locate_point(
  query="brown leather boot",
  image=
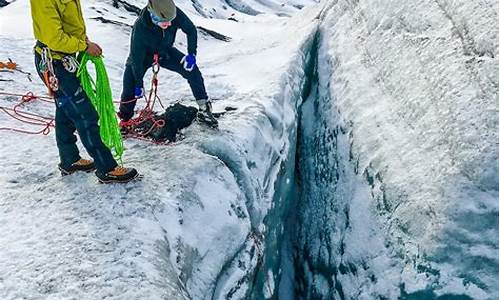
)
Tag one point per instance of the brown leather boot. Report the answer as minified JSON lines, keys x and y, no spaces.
{"x":117,"y":175}
{"x":85,"y":165}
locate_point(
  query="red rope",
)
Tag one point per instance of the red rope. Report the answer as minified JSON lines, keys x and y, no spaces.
{"x":147,"y":113}
{"x":29,"y":96}
{"x":26,"y":117}
{"x":125,"y":101}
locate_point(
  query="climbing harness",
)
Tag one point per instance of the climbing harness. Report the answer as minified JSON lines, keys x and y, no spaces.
{"x":47,"y":69}
{"x":99,"y":93}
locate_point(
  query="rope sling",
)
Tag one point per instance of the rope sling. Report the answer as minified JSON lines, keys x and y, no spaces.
{"x":99,"y":93}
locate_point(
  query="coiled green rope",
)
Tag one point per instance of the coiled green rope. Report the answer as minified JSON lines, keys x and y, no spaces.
{"x":99,"y":92}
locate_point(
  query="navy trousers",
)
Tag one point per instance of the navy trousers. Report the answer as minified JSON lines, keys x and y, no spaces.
{"x":75,"y":112}
{"x":171,"y":61}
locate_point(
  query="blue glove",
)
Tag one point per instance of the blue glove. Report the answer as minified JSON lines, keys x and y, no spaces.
{"x":139,"y":92}
{"x":188,"y":62}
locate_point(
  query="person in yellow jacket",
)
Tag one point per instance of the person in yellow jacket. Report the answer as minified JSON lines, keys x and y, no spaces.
{"x":59,"y":29}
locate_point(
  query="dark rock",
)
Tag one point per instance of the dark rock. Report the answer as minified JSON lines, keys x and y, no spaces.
{"x":213,"y":34}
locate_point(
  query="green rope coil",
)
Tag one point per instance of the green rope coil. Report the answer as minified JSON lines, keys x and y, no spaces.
{"x":99,"y":92}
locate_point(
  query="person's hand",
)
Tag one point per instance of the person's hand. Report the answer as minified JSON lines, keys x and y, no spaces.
{"x":93,"y":49}
{"x":139,"y":92}
{"x":188,"y":62}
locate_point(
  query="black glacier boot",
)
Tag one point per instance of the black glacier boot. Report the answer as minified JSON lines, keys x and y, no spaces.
{"x":205,"y":113}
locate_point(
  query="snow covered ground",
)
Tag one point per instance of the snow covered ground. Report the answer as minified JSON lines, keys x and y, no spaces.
{"x":397,"y":159}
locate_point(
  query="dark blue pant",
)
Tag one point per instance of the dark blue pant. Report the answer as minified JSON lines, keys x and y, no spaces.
{"x":172,"y":63}
{"x":75,"y":112}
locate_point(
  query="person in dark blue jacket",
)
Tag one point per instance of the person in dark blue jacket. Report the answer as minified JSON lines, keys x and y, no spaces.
{"x":154,"y":33}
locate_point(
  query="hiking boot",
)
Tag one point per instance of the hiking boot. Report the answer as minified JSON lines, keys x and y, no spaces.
{"x":205,"y":113}
{"x":117,"y":175}
{"x":85,"y":165}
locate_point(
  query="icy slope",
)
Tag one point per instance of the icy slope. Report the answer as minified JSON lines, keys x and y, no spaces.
{"x":200,"y":206}
{"x":234,"y":10}
{"x":402,"y":177}
{"x":397,"y":162}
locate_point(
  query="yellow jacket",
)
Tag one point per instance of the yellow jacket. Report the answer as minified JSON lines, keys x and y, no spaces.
{"x":59,"y":24}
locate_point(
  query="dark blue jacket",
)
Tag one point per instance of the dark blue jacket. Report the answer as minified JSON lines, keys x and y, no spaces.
{"x":148,"y":39}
